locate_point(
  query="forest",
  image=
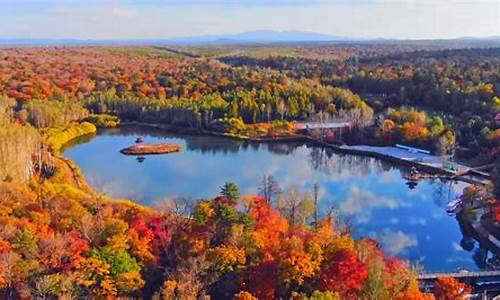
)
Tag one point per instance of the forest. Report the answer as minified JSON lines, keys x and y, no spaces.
{"x":458,"y":85}
{"x":454,"y":87}
{"x":61,"y":239}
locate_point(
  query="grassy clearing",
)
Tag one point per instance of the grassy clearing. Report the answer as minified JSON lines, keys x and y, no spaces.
{"x":142,"y":51}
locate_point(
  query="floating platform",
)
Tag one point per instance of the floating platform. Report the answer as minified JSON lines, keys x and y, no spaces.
{"x":151,"y":149}
{"x":421,"y":176}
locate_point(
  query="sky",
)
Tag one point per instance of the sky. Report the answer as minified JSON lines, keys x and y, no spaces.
{"x":157,"y":19}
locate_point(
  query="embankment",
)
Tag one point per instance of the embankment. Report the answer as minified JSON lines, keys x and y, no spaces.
{"x":57,"y":137}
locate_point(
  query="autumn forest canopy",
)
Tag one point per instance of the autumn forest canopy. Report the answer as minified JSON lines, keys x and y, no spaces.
{"x":60,"y":238}
{"x":454,"y":90}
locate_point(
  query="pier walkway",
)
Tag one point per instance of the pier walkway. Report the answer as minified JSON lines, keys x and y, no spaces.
{"x":460,"y":275}
{"x":426,"y":162}
{"x":485,"y":284}
{"x":322,"y":125}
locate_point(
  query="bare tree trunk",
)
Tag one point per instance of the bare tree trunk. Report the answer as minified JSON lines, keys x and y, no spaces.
{"x":316,"y":190}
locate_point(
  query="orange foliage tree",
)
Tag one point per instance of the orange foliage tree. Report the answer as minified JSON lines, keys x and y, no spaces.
{"x":448,"y":288}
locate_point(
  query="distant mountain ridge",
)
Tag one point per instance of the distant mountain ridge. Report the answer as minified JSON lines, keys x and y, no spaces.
{"x":261,"y":36}
{"x":258,"y":36}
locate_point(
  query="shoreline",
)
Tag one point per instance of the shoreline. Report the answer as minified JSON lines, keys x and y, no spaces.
{"x":81,"y":180}
{"x":194,"y":131}
{"x":434,"y":170}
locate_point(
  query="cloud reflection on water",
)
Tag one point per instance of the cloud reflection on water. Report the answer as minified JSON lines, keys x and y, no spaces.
{"x":360,"y":203}
{"x":396,"y":242}
{"x":371,"y":193}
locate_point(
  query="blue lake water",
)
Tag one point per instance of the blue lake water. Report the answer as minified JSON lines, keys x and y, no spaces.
{"x":371,"y":194}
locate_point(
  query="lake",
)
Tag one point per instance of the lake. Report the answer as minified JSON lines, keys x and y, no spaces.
{"x":409,"y":222}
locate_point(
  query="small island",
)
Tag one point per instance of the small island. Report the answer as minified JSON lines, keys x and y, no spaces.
{"x":151,"y":149}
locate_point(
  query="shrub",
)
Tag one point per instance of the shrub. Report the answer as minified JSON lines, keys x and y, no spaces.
{"x":103,"y":120}
{"x":120,"y":261}
{"x":234,"y":126}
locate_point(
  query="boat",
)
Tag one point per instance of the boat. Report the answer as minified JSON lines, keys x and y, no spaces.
{"x":455,"y":206}
{"x":414,"y":175}
{"x":139,"y":140}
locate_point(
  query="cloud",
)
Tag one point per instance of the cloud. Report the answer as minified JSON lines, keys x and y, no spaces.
{"x":61,"y":9}
{"x":241,"y":2}
{"x":417,"y":221}
{"x":122,"y":12}
{"x":460,"y":260}
{"x":111,"y":19}
{"x":456,"y":246}
{"x":361,"y":203}
{"x":434,"y":2}
{"x":396,"y":242}
{"x":394,"y":221}
{"x":389,"y":177}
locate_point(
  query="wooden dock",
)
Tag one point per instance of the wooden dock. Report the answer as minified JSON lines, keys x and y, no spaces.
{"x":460,"y":275}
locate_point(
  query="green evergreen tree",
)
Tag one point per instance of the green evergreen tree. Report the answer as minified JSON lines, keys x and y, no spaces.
{"x":230,"y":190}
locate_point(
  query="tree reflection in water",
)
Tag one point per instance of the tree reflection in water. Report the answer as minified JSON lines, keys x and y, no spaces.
{"x":370,"y":191}
{"x":442,"y":191}
{"x":330,"y":162}
{"x":484,"y":253}
{"x":411,"y":184}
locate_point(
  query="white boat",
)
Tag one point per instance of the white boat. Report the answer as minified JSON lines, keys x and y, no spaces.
{"x":455,"y":206}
